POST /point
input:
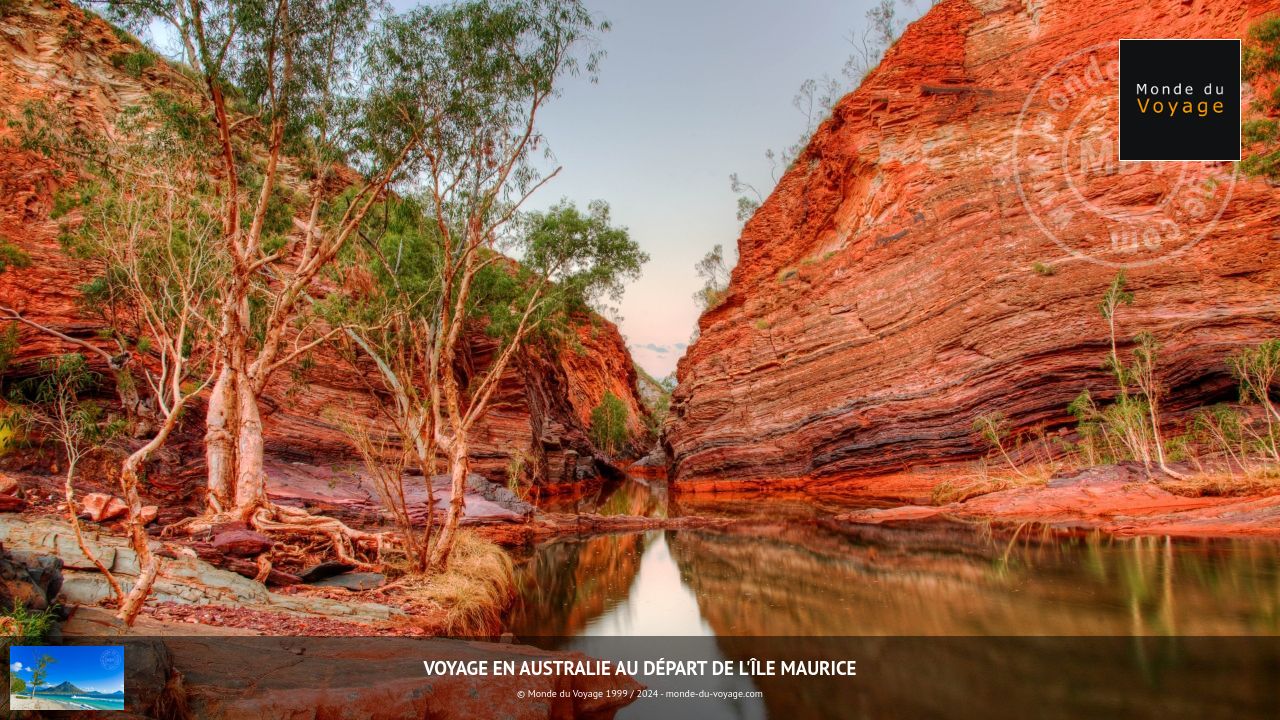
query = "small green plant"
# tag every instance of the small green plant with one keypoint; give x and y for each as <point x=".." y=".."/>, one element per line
<point x="27" y="624"/>
<point x="1130" y="426"/>
<point x="994" y="429"/>
<point x="134" y="63"/>
<point x="1257" y="369"/>
<point x="12" y="256"/>
<point x="55" y="403"/>
<point x="609" y="423"/>
<point x="517" y="468"/>
<point x="714" y="272"/>
<point x="1043" y="269"/>
<point x="1261" y="56"/>
<point x="762" y="324"/>
<point x="8" y="346"/>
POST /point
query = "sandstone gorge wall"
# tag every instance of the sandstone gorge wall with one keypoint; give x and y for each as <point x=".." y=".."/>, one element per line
<point x="53" y="52"/>
<point x="921" y="263"/>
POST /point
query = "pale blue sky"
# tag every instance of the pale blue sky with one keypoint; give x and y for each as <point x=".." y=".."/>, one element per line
<point x="688" y="93"/>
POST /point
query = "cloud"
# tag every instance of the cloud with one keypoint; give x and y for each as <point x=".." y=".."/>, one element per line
<point x="681" y="346"/>
<point x="16" y="667"/>
<point x="654" y="347"/>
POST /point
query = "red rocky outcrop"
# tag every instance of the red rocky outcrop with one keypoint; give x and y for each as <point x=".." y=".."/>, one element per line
<point x="896" y="285"/>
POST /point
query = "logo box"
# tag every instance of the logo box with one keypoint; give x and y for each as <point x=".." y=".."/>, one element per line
<point x="1180" y="100"/>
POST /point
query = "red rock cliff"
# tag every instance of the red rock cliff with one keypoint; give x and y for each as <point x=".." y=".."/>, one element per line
<point x="53" y="52"/>
<point x="924" y="261"/>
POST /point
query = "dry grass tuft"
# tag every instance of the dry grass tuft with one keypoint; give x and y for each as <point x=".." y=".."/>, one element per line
<point x="984" y="482"/>
<point x="1260" y="480"/>
<point x="472" y="594"/>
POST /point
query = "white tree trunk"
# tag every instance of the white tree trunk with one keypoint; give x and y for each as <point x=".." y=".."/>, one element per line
<point x="251" y="479"/>
<point x="459" y="468"/>
<point x="220" y="442"/>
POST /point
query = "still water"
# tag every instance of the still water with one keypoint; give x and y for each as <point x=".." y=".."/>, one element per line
<point x="789" y="574"/>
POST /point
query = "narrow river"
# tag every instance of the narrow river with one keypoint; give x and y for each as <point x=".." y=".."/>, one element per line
<point x="786" y="574"/>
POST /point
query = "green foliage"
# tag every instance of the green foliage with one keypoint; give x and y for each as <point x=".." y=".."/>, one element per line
<point x="12" y="256"/>
<point x="656" y="395"/>
<point x="8" y="346"/>
<point x="571" y="260"/>
<point x="31" y="625"/>
<point x="1115" y="296"/>
<point x="40" y="673"/>
<point x="1220" y="428"/>
<point x="183" y="121"/>
<point x="56" y="398"/>
<point x="1260" y="130"/>
<point x="134" y="63"/>
<point x="714" y="272"/>
<point x="583" y="255"/>
<point x="16" y="684"/>
<point x="993" y="427"/>
<point x="1257" y="369"/>
<point x="1262" y="57"/>
<point x="1043" y="269"/>
<point x="1262" y="49"/>
<point x="609" y="424"/>
<point x="1129" y="427"/>
<point x="66" y="373"/>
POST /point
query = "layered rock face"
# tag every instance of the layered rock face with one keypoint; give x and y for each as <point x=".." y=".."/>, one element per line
<point x="940" y="248"/>
<point x="53" y="52"/>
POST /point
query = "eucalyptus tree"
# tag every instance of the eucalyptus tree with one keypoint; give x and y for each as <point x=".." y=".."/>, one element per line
<point x="479" y="74"/>
<point x="568" y="260"/>
<point x="144" y="227"/>
<point x="151" y="237"/>
<point x="56" y="402"/>
<point x="442" y="100"/>
<point x="283" y="84"/>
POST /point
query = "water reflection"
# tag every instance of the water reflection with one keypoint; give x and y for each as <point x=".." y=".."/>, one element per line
<point x="792" y="574"/>
<point x="792" y="582"/>
<point x="628" y="496"/>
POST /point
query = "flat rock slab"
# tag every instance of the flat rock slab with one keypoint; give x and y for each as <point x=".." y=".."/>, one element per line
<point x="313" y="484"/>
<point x="354" y="581"/>
<point x="183" y="579"/>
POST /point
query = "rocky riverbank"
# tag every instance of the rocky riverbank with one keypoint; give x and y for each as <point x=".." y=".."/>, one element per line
<point x="1120" y="500"/>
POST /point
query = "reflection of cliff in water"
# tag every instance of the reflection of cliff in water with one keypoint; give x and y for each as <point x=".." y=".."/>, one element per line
<point x="955" y="580"/>
<point x="791" y="591"/>
<point x="624" y="496"/>
<point x="568" y="583"/>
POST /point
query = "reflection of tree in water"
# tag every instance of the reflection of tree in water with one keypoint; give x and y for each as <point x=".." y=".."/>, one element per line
<point x="567" y="584"/>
